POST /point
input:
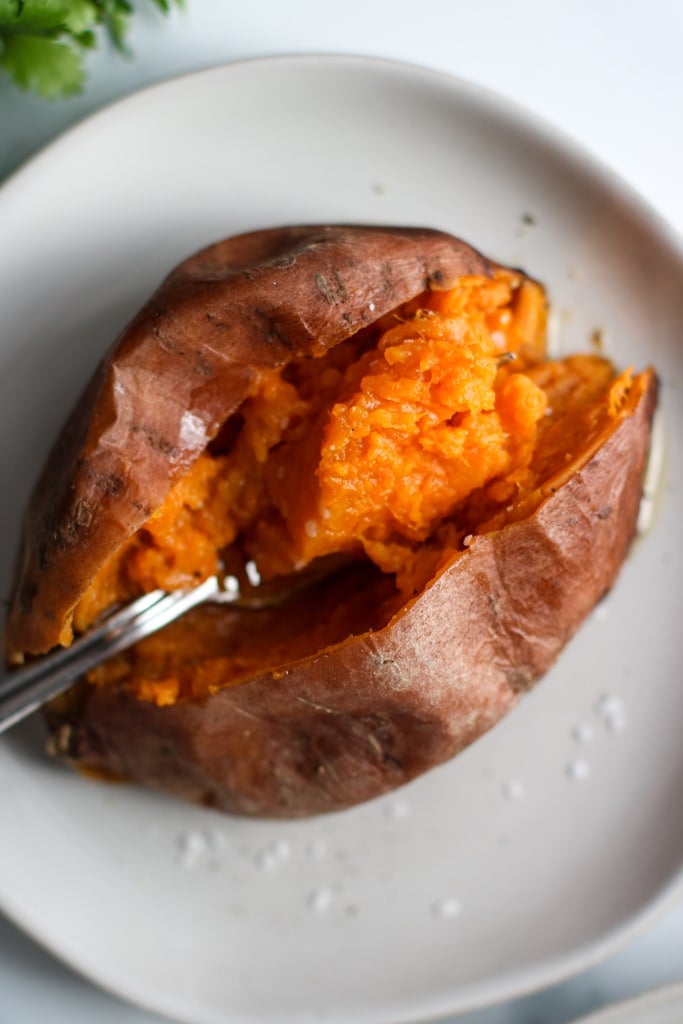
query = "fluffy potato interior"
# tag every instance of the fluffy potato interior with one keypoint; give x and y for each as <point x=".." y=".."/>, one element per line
<point x="440" y="421"/>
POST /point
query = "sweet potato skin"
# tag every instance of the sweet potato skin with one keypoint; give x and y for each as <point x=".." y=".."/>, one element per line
<point x="186" y="362"/>
<point x="359" y="717"/>
<point x="364" y="716"/>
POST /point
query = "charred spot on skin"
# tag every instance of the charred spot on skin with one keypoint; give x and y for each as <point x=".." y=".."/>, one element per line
<point x="82" y="514"/>
<point x="167" y="344"/>
<point x="76" y="522"/>
<point x="520" y="679"/>
<point x="605" y="512"/>
<point x="324" y="289"/>
<point x="388" y="279"/>
<point x="216" y="322"/>
<point x="333" y="292"/>
<point x="271" y="331"/>
<point x="379" y="659"/>
<point x="434" y="279"/>
<point x="284" y="261"/>
<point x="160" y="312"/>
<point x="341" y="287"/>
<point x="145" y="510"/>
<point x="160" y="444"/>
<point x="112" y="484"/>
<point x="66" y="534"/>
<point x="109" y="483"/>
<point x="202" y="366"/>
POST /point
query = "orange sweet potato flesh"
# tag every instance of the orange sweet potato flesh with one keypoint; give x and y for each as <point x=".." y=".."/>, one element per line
<point x="361" y="452"/>
<point x="221" y="320"/>
<point x="373" y="401"/>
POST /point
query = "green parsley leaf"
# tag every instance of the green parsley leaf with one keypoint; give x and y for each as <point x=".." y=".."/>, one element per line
<point x="88" y="40"/>
<point x="37" y="16"/>
<point x="42" y="41"/>
<point x="116" y="17"/>
<point x="82" y="16"/>
<point x="48" y="67"/>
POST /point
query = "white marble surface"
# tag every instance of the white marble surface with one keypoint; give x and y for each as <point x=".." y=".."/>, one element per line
<point x="607" y="72"/>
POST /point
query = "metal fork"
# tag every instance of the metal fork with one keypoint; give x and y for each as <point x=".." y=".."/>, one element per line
<point x="24" y="690"/>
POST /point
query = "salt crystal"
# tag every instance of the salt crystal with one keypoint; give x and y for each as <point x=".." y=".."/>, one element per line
<point x="449" y="907"/>
<point x="321" y="899"/>
<point x="513" y="790"/>
<point x="583" y="733"/>
<point x="578" y="770"/>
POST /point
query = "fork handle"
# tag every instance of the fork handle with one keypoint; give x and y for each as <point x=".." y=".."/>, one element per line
<point x="24" y="691"/>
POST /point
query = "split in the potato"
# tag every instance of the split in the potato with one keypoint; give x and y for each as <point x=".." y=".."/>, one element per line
<point x="440" y="421"/>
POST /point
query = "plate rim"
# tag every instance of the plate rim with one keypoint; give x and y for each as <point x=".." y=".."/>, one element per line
<point x="516" y="983"/>
<point x="497" y="102"/>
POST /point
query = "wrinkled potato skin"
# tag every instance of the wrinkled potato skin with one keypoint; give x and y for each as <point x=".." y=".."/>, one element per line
<point x="365" y="716"/>
<point x="359" y="717"/>
<point x="185" y="363"/>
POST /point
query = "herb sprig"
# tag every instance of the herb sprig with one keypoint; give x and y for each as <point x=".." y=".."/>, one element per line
<point x="43" y="42"/>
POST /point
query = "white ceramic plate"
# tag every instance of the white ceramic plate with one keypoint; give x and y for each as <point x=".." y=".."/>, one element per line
<point x="661" y="1006"/>
<point x="556" y="836"/>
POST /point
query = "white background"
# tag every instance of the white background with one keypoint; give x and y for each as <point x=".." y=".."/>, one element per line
<point x="608" y="73"/>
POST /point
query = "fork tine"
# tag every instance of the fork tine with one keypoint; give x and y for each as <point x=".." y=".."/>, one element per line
<point x="169" y="608"/>
<point x="63" y="656"/>
<point x="121" y="616"/>
<point x="25" y="690"/>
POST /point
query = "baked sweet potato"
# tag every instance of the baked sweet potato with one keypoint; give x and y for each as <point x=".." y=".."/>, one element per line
<point x="365" y="418"/>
